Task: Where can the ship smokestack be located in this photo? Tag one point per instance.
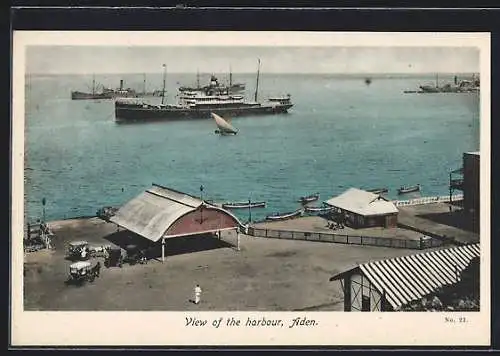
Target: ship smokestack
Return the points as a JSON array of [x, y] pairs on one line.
[[121, 84]]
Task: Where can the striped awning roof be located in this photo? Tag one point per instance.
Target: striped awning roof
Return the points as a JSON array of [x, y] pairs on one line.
[[409, 278]]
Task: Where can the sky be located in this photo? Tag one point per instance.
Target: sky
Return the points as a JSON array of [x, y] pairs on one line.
[[138, 59]]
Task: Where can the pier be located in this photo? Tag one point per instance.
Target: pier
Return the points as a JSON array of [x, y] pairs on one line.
[[432, 217]]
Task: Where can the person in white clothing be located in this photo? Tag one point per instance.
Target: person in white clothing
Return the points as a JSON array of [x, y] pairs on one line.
[[84, 253], [197, 294]]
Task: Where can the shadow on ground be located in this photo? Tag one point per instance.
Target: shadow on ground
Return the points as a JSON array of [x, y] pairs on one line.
[[174, 246], [459, 219]]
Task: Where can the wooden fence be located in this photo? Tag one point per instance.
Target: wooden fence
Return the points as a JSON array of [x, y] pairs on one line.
[[346, 239], [428, 200]]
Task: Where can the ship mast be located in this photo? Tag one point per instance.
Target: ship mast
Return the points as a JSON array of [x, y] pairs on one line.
[[164, 82], [93, 84], [198, 79], [257, 84], [230, 77], [437, 81], [144, 84]]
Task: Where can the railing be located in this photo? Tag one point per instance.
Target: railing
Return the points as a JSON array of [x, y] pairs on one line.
[[428, 200], [346, 239]]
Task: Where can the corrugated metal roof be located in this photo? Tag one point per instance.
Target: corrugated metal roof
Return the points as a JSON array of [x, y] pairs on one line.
[[176, 196], [150, 214], [408, 278], [363, 203]]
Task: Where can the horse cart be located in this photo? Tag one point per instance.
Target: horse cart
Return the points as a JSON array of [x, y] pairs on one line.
[[98, 251], [78, 251], [82, 271]]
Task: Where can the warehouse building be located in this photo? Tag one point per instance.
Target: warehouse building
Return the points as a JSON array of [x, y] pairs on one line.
[[392, 284], [161, 213], [362, 209]]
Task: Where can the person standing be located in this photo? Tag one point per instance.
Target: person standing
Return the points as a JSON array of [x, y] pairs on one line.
[[84, 253], [197, 294]]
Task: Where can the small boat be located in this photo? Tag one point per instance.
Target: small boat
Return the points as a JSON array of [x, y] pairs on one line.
[[285, 216], [378, 190], [309, 198], [244, 205], [223, 126], [409, 189], [318, 209]]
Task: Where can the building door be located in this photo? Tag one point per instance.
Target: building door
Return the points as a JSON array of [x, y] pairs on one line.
[[365, 303]]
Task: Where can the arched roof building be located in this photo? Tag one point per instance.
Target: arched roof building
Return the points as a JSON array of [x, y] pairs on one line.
[[161, 213]]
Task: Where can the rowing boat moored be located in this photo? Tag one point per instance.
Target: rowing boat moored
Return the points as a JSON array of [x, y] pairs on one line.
[[409, 189], [378, 190], [244, 205], [309, 198], [318, 209], [285, 216]]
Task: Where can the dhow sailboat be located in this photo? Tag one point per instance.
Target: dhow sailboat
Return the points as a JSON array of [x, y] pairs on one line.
[[223, 126]]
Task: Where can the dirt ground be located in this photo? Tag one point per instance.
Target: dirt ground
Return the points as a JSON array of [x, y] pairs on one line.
[[265, 275]]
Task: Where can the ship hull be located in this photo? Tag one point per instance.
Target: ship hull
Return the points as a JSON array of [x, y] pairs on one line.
[[137, 113], [78, 95]]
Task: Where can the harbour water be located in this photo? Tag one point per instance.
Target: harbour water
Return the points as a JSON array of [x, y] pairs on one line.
[[340, 133]]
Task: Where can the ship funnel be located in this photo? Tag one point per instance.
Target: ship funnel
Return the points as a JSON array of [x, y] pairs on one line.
[[121, 84]]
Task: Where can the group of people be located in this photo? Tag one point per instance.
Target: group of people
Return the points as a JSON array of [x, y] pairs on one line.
[[335, 225]]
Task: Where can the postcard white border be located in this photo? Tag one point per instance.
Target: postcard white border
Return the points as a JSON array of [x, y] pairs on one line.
[[167, 328]]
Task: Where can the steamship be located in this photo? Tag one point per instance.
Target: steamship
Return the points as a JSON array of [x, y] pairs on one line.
[[199, 104]]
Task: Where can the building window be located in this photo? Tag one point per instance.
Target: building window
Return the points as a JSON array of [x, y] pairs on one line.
[[365, 303]]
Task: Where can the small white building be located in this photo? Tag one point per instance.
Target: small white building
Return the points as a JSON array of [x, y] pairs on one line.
[[365, 209]]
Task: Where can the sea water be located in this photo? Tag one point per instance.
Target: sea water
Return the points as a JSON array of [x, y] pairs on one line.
[[340, 133]]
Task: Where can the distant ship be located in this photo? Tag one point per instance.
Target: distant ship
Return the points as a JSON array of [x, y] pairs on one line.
[[106, 93], [458, 86], [198, 104], [78, 95], [110, 93]]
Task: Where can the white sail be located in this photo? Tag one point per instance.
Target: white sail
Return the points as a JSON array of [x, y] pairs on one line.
[[223, 125]]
